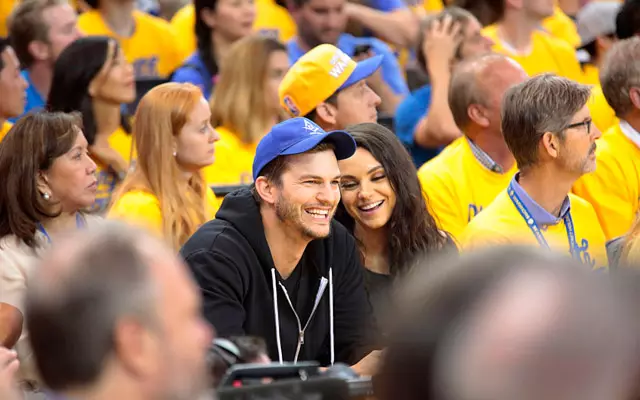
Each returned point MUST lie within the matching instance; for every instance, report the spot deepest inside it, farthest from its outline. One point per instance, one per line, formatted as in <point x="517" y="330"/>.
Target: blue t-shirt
<point x="194" y="71"/>
<point x="34" y="99"/>
<point x="408" y="114"/>
<point x="391" y="71"/>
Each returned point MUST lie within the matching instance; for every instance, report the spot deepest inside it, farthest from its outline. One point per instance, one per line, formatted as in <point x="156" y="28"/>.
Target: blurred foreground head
<point x="112" y="313"/>
<point x="509" y="323"/>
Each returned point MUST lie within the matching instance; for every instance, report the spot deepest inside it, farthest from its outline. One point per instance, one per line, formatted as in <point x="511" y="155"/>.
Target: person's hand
<point x="369" y="365"/>
<point x="374" y="80"/>
<point x="8" y="368"/>
<point x="441" y="42"/>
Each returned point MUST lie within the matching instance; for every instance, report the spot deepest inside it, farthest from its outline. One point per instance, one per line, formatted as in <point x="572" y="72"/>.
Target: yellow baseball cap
<point x="318" y="74"/>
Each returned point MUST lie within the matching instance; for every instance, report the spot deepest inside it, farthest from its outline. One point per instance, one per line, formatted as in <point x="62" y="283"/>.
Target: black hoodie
<point x="232" y="264"/>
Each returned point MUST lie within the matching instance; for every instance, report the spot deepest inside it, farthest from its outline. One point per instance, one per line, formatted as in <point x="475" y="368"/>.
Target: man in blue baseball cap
<point x="275" y="264"/>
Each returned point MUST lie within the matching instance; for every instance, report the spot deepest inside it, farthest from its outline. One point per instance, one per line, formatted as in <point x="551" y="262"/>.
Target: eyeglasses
<point x="586" y="124"/>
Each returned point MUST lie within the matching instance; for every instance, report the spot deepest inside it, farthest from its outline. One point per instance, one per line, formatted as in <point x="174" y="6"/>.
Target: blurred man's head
<point x="13" y="87"/>
<point x="319" y="21"/>
<point x="326" y="86"/>
<point x="41" y="29"/>
<point x="124" y="315"/>
<point x="546" y="124"/>
<point x="620" y="78"/>
<point x="504" y="324"/>
<point x="597" y="28"/>
<point x="473" y="43"/>
<point x="476" y="92"/>
<point x="628" y="20"/>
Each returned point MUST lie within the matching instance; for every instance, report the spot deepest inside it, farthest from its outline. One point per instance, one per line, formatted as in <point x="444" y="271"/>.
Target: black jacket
<point x="232" y="264"/>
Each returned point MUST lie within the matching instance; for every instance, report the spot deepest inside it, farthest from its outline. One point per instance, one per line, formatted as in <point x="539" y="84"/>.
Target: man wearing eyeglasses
<point x="547" y="126"/>
<point x="614" y="189"/>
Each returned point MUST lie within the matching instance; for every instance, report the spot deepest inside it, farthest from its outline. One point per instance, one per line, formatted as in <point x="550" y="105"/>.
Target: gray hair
<point x="466" y="87"/>
<point x="544" y="103"/>
<point x="83" y="287"/>
<point x="619" y="73"/>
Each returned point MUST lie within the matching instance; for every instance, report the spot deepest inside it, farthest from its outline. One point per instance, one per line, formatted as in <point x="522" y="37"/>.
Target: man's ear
<point x="550" y="143"/>
<point x="266" y="190"/>
<point x="39" y="50"/>
<point x="476" y="113"/>
<point x="634" y="96"/>
<point x="327" y="113"/>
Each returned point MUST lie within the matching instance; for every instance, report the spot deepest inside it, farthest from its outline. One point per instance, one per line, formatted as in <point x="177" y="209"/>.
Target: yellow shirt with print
<point x="502" y="224"/>
<point x="234" y="161"/>
<point x="142" y="208"/>
<point x="614" y="187"/>
<point x="560" y="26"/>
<point x="152" y="49"/>
<point x="548" y="54"/>
<point x="458" y="186"/>
<point x="602" y="114"/>
<point x="271" y="19"/>
<point x="5" y="129"/>
<point x="121" y="142"/>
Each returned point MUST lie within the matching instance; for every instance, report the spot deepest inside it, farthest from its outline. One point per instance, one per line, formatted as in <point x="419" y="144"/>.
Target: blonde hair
<point x="159" y="118"/>
<point x="238" y="102"/>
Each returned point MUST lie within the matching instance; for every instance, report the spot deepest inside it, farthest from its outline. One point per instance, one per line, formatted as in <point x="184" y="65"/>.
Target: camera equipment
<point x="300" y="381"/>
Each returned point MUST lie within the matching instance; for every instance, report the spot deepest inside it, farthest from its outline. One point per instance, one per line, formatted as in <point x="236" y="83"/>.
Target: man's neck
<point x="41" y="75"/>
<point x="108" y="388"/>
<point x="515" y="30"/>
<point x="119" y="17"/>
<point x="547" y="186"/>
<point x="633" y="119"/>
<point x="495" y="147"/>
<point x="107" y="116"/>
<point x="375" y="243"/>
<point x="286" y="245"/>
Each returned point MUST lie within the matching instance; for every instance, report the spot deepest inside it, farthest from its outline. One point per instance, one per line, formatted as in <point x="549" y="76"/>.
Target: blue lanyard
<point x="79" y="224"/>
<point x="531" y="223"/>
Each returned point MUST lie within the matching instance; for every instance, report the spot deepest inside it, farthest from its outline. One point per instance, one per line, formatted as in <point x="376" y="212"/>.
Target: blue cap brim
<point x="363" y="70"/>
<point x="344" y="144"/>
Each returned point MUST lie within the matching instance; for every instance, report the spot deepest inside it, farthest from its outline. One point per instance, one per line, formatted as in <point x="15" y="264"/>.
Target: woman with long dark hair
<point x="93" y="77"/>
<point x="219" y="24"/>
<point x="385" y="209"/>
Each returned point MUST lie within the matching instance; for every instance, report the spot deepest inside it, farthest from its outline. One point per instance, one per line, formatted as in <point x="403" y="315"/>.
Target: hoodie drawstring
<point x="331" y="337"/>
<point x="277" y="315"/>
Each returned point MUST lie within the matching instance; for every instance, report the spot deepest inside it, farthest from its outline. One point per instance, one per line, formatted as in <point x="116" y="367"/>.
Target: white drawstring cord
<point x="275" y="311"/>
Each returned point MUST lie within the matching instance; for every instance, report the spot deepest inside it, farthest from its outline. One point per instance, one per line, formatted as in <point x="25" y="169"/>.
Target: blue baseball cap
<point x="363" y="70"/>
<point x="299" y="135"/>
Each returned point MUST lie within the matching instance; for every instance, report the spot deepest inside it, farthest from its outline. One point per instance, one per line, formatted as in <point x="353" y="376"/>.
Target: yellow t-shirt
<point x="152" y="49"/>
<point x="502" y="224"/>
<point x="590" y="75"/>
<point x="458" y="186"/>
<point x="602" y="114"/>
<point x="234" y="161"/>
<point x="560" y="26"/>
<point x="4" y="129"/>
<point x="548" y="54"/>
<point x="6" y="6"/>
<point x="142" y="208"/>
<point x="614" y="188"/>
<point x="271" y="19"/>
<point x="121" y="142"/>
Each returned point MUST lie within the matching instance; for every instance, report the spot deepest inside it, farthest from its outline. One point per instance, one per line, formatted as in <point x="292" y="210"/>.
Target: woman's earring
<point x="46" y="196"/>
<point x="175" y="153"/>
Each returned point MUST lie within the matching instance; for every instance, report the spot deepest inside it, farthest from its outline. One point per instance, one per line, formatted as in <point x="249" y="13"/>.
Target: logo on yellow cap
<point x="291" y="106"/>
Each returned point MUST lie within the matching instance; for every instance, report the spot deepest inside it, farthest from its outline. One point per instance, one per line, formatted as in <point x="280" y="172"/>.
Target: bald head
<point x="503" y="324"/>
<point x="541" y="333"/>
<point x="477" y="87"/>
